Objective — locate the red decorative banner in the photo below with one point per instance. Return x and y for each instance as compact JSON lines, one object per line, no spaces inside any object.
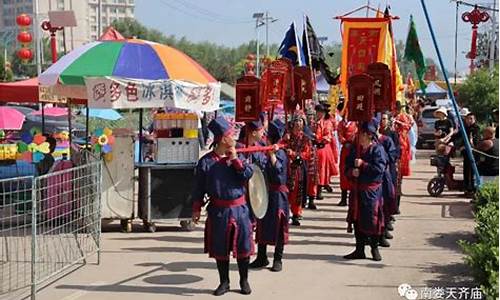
{"x":362,"y":49}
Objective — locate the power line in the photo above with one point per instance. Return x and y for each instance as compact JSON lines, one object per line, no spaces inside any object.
{"x":208,"y":13}
{"x":202,"y":16}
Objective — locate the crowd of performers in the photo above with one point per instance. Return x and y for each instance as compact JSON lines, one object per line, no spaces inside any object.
{"x":370,"y":157}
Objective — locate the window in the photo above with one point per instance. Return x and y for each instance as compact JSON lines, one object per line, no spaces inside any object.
{"x":93,"y":28}
{"x":121,"y":10}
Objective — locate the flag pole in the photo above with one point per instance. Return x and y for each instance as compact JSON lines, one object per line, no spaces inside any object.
{"x":308,"y":46}
{"x":468,"y":148}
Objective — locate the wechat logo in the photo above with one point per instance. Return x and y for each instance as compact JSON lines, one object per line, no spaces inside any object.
{"x":406,"y":291}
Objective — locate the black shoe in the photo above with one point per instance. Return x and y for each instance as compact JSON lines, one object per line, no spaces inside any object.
{"x":376,"y":254}
{"x":328,"y":189}
{"x":312,"y":206}
{"x":319,"y":196}
{"x":392,"y":219}
{"x":357,"y":254}
{"x":245,"y":287}
{"x":222,"y":289}
{"x":389,"y":227}
{"x":398,"y":212}
{"x":388,"y":235}
{"x":277,"y":266}
{"x":300,"y":218}
{"x":295,"y":221}
{"x":342,"y":202}
{"x":384,"y":242}
{"x":259,"y":262}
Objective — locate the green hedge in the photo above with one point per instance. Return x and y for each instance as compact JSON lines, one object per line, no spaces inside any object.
{"x":482,"y":255}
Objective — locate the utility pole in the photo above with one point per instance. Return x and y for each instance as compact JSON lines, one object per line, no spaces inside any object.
{"x":493,"y":37}
{"x":258,"y":23}
{"x":262,"y":19}
{"x":268,"y":19}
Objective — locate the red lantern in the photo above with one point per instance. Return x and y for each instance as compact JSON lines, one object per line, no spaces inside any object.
{"x":276,"y":82}
{"x":25,"y":54}
{"x":248,"y":105}
{"x":24,"y":37}
{"x":23,"y":20}
{"x":303,"y":83}
{"x":382,"y":89}
{"x":360,"y":105}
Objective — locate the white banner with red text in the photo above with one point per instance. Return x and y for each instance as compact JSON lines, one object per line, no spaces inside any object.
{"x":121,"y":93}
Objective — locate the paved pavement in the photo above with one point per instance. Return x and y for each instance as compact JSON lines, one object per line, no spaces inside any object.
{"x":169,"y":264}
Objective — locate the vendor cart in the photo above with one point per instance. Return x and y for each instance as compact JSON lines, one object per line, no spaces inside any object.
{"x":164,"y":194}
{"x":165,"y":183}
{"x":118,"y":184}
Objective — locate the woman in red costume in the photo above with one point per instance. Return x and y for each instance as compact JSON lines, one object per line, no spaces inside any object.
{"x":324,"y":137}
{"x":402,"y":125}
{"x":299,"y":152}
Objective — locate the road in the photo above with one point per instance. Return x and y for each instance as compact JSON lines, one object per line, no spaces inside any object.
{"x":169,"y":264}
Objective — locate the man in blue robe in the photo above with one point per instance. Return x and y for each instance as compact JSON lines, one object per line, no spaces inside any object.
{"x":273,"y":228}
{"x":222,"y":176}
{"x":388,"y":185}
{"x":365,"y":167}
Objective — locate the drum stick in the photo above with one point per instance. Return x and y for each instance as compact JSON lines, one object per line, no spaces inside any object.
{"x":258,"y":148}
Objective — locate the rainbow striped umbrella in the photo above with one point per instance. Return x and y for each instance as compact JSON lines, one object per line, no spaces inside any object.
{"x":132,"y":59}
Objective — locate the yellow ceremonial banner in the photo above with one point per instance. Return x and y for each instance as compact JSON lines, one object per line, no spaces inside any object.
{"x":366,"y":41}
{"x":333,"y":98}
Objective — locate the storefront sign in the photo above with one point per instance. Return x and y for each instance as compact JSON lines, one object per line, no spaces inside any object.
{"x":112,"y":92}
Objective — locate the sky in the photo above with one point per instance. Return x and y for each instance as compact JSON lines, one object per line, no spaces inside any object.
{"x":230,"y":23}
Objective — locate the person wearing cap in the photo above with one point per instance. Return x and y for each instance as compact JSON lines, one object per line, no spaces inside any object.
{"x":298,"y":147}
{"x":386,"y":130}
{"x":324,"y":136}
{"x":311,"y":165}
{"x":365,"y":167}
{"x":347,"y":134}
{"x":273,"y":228}
{"x":253,"y":136}
{"x":389,"y":179}
{"x":222,"y":175}
{"x":444,"y":127}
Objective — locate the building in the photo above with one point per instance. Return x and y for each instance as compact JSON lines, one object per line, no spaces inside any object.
{"x":86,"y":13}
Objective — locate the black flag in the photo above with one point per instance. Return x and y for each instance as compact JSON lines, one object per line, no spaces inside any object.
{"x":314,"y":53}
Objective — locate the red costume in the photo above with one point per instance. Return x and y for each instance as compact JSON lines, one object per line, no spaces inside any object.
{"x":299,"y":154}
{"x":335,"y":149}
{"x":326,"y":161}
{"x":402,"y":125}
{"x":347,"y":133}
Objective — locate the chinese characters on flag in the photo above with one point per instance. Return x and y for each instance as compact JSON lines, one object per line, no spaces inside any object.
{"x":362,"y":49}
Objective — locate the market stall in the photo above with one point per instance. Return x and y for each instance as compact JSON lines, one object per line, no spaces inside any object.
{"x":137,"y":74}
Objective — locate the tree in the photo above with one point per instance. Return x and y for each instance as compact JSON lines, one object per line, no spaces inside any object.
{"x":479,"y":92}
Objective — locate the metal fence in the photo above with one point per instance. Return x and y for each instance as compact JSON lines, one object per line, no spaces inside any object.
{"x":48,"y":224}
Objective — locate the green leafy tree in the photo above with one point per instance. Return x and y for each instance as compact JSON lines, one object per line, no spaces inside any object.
{"x":479,"y":93}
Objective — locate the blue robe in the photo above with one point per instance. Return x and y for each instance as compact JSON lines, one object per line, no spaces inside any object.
{"x":389,"y":183}
{"x":226,"y":228}
{"x":275,"y":222}
{"x":366,"y":198}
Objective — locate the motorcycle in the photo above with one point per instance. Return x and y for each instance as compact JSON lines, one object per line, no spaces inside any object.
{"x":444,"y":177}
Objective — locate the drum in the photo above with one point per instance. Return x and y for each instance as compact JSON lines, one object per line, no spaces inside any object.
{"x":257,"y":192}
